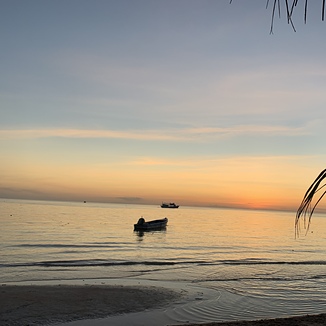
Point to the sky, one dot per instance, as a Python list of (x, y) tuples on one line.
[(190, 101)]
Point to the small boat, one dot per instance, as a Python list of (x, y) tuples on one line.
[(142, 225), (169, 205)]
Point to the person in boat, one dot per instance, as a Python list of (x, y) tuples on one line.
[(141, 221)]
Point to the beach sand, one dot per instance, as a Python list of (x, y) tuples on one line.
[(40, 305), (311, 320)]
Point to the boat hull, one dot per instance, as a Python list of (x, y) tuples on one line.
[(151, 225), (170, 205)]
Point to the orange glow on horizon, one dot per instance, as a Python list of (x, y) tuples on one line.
[(263, 183)]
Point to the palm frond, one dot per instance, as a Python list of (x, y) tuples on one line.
[(290, 6), (306, 208)]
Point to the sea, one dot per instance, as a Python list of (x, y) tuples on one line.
[(238, 264)]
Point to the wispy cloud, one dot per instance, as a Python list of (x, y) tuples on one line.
[(193, 134), (229, 161)]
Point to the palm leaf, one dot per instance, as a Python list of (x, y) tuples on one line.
[(290, 6), (306, 209)]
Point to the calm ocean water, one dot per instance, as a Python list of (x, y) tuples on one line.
[(249, 254)]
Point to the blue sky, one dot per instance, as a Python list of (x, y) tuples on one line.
[(160, 100)]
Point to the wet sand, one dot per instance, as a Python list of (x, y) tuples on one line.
[(53, 304), (39, 305)]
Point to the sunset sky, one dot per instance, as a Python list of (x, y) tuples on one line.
[(161, 100)]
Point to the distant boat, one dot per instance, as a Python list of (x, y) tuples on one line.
[(142, 225), (169, 205)]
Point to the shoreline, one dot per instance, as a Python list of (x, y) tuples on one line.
[(60, 304), (307, 320)]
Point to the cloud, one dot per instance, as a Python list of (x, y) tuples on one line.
[(187, 134)]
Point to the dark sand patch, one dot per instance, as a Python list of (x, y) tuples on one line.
[(39, 305)]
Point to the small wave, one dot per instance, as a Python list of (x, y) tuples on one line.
[(257, 278), (59, 245), (266, 262), (97, 262), (101, 262)]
